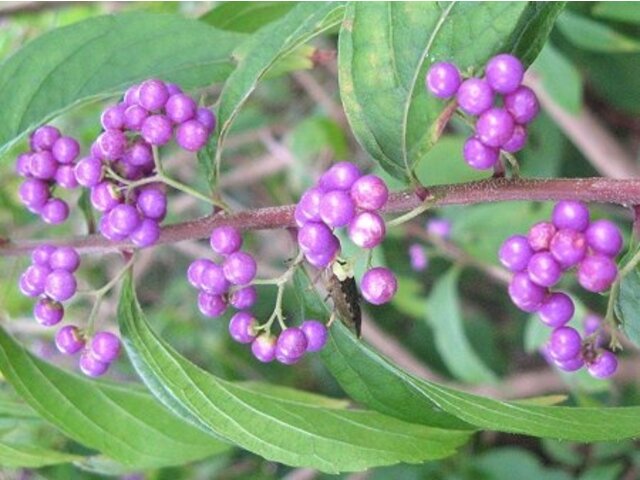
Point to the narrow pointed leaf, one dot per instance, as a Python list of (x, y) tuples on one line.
[(15, 455)]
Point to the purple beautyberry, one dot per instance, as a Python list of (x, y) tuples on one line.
[(225, 240), (291, 345), (570, 365), (244, 297), (207, 118), (603, 236), (36, 277), (478, 155), (152, 203), (23, 162), (66, 177), (124, 219), (91, 366), (604, 365), (316, 333), (264, 348), (42, 254), (69, 340), (504, 73), (341, 176), (173, 88), (111, 144), (64, 258), (65, 150), (369, 192), (418, 257), (443, 79), (315, 237), (44, 138), (134, 117), (596, 273), (43, 165), (239, 268), (540, 235), (192, 135), (105, 346), (55, 211), (112, 117), (180, 108), (522, 104), (475, 96), (242, 327), (525, 294), (194, 272), (139, 154), (324, 258), (89, 171), (337, 208), (308, 208), (60, 285), (157, 130), (153, 94), (544, 270), (517, 141), (34, 193), (107, 231), (565, 343), (495, 127), (439, 228), (515, 253), (131, 95), (105, 196), (367, 230), (568, 247), (591, 323), (212, 279), (211, 305), (556, 310), (570, 214), (378, 285)]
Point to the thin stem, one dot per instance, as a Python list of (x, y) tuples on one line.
[(513, 162), (190, 191), (419, 210)]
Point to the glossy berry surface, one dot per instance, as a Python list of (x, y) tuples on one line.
[(55, 211), (291, 345), (239, 268), (522, 104), (341, 176), (378, 285), (418, 258), (571, 215), (316, 334), (64, 258), (525, 294), (264, 348), (540, 235), (443, 79), (244, 297), (180, 108), (147, 233), (105, 346), (604, 237), (213, 279), (48, 312), (596, 273), (192, 135), (604, 365), (568, 247), (60, 285), (369, 192), (478, 155), (153, 95), (124, 219), (337, 208), (315, 237), (211, 305), (91, 366), (475, 96), (157, 130), (69, 340), (495, 127), (504, 73), (242, 327), (544, 270), (556, 310), (367, 230), (515, 253), (517, 141), (225, 240), (565, 343), (89, 171)]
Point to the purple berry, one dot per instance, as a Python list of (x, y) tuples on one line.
[(180, 108), (418, 258), (124, 219), (206, 118), (239, 268), (378, 285), (48, 312), (291, 345), (308, 208), (194, 272), (153, 94), (515, 253), (369, 192), (91, 366), (64, 258), (544, 270), (60, 285), (517, 141), (69, 340), (212, 279), (34, 193), (556, 310), (475, 96), (112, 117), (525, 294), (367, 230), (26, 288), (65, 150), (42, 165), (42, 254), (152, 203), (341, 176), (244, 297), (565, 343), (105, 346), (443, 79), (89, 171), (157, 130), (23, 162), (571, 365), (596, 273), (603, 236), (568, 247), (105, 196), (107, 230), (439, 228), (316, 333), (315, 237), (337, 208), (131, 96), (604, 365), (173, 88), (192, 135), (211, 305), (504, 73), (540, 235), (134, 117), (111, 144), (242, 327), (522, 104), (44, 138), (495, 127), (139, 154), (570, 214), (478, 155), (66, 177), (264, 348), (35, 277), (225, 240), (325, 257), (55, 211)]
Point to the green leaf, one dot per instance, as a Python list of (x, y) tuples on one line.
[(534, 26), (122, 422), (445, 318), (245, 17), (374, 381), (278, 427), (627, 304), (15, 455), (628, 12), (264, 49), (591, 35), (102, 56), (501, 463), (553, 64), (391, 114)]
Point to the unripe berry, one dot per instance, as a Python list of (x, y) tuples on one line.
[(378, 285)]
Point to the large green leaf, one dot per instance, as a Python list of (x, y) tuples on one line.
[(627, 303), (277, 426), (618, 11), (386, 48), (552, 64), (16, 455), (534, 26), (122, 422), (589, 34), (102, 56), (245, 17)]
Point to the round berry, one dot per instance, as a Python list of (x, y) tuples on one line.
[(291, 345), (540, 235), (522, 104), (105, 196), (91, 366), (212, 279), (239, 268), (180, 108), (69, 340), (596, 273), (556, 310), (474, 96), (211, 305), (225, 240), (369, 192), (64, 258), (308, 208), (35, 276), (139, 154), (105, 346), (26, 288), (194, 272), (60, 285), (66, 177), (134, 117), (570, 365), (367, 230), (65, 150), (525, 294), (112, 144), (244, 297), (131, 96), (570, 214), (192, 135), (591, 323), (264, 348), (153, 94), (34, 193), (478, 155), (173, 88), (565, 343), (325, 257), (604, 237), (112, 117), (23, 165), (340, 176), (206, 118), (418, 258), (515, 253), (504, 73), (41, 255), (152, 203), (55, 211), (44, 138), (495, 127), (517, 141), (378, 285), (568, 247), (42, 165), (157, 130), (544, 270), (337, 208), (439, 228), (315, 237), (242, 327), (604, 365), (107, 230), (89, 171), (48, 312), (316, 333), (124, 219), (443, 79)]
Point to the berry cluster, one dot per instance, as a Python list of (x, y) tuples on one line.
[(96, 356), (149, 116), (343, 197), (540, 259), (49, 163), (498, 126)]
